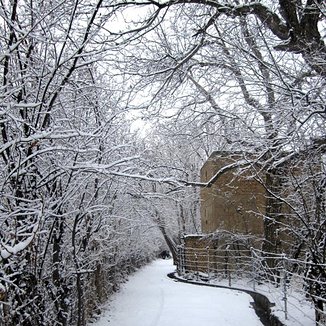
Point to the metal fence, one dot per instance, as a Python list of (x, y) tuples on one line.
[(288, 282)]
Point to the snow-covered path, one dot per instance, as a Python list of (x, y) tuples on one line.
[(150, 298)]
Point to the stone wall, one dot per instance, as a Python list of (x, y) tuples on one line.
[(206, 254), (195, 253)]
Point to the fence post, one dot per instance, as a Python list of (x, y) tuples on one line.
[(196, 267), (180, 263), (253, 269), (208, 267), (184, 260), (227, 266), (285, 299)]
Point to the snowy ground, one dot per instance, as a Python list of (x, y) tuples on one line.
[(150, 298), (300, 311)]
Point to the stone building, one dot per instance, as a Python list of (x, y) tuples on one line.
[(231, 210), (236, 202), (238, 213)]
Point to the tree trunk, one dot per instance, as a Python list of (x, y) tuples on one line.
[(273, 214)]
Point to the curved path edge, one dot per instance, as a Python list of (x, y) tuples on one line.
[(261, 303)]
